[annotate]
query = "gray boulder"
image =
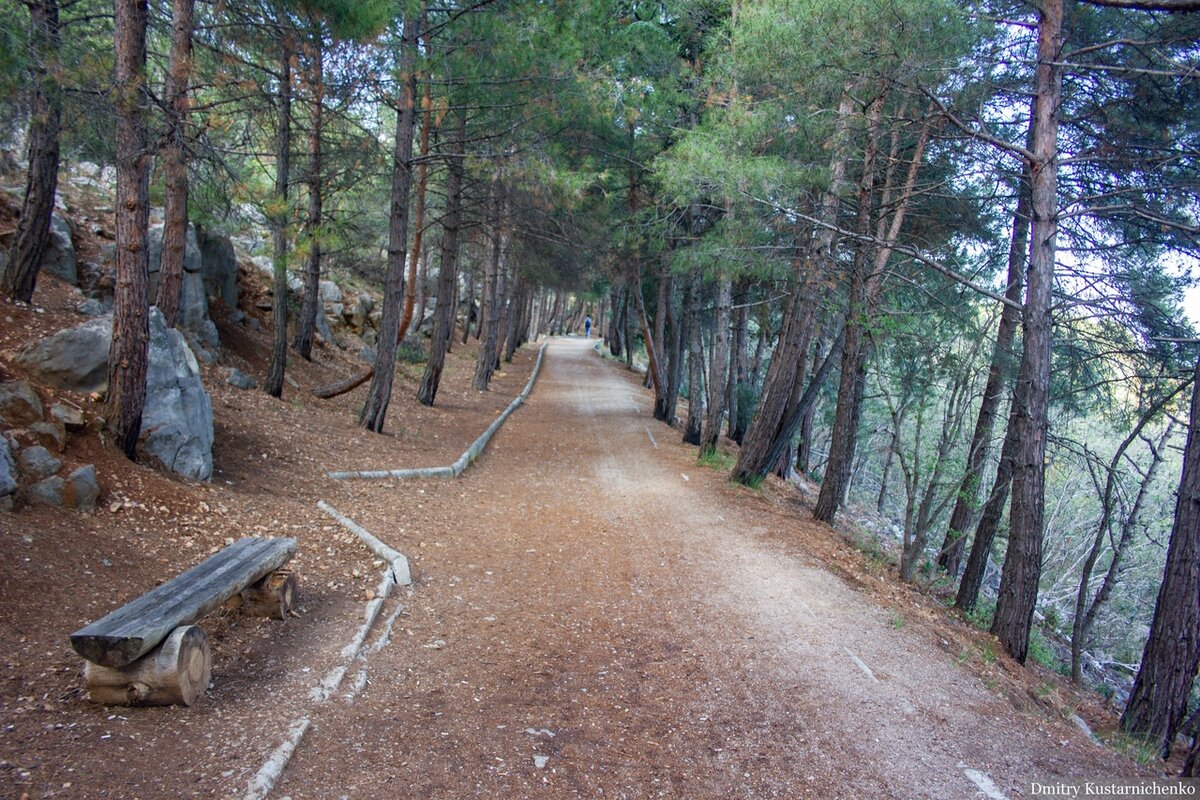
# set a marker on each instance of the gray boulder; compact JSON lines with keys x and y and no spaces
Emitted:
{"x":37,"y":462}
{"x":330,"y":292}
{"x":177,"y":425}
{"x":59,"y":259}
{"x":241,"y":380}
{"x":8,"y":475}
{"x":48,"y":492}
{"x":81,"y":490}
{"x":19,"y":403}
{"x":323,"y":326}
{"x":218,"y":266}
{"x":75,"y":359}
{"x":360,"y":316}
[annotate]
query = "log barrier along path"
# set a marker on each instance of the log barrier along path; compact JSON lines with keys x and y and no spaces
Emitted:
{"x":594,"y":615}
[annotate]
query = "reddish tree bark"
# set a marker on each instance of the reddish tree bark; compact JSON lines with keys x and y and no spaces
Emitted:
{"x":695,"y":417}
{"x":175,"y":165}
{"x":718,"y":368}
{"x":127,"y":355}
{"x":1023,"y":560}
{"x":380,"y":393}
{"x":1158,"y":703}
{"x":410,"y":289}
{"x":310,"y":303}
{"x":443,"y":323}
{"x":41,"y":179}
{"x":279,"y":222}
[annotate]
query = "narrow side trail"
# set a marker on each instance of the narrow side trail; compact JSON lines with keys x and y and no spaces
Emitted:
{"x":594,"y":615}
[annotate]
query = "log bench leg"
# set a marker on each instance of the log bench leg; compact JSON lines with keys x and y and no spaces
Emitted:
{"x":274,"y":596}
{"x":176,"y":672}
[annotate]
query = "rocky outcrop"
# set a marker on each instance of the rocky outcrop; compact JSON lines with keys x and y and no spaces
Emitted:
{"x":193,"y":301}
{"x":177,"y":425}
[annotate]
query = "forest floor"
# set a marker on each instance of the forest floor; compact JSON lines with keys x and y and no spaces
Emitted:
{"x":592,"y":614}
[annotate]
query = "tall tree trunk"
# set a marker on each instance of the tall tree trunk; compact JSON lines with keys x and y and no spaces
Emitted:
{"x":843,"y":441}
{"x":718,"y":368}
{"x":412,"y":284}
{"x":127,"y":354}
{"x":380,"y":393}
{"x":612,"y":331}
{"x":175,"y":164}
{"x":485,"y":362}
{"x":654,"y":367}
{"x":764,"y":429}
{"x":443,"y":322}
{"x":41,"y":179}
{"x":675,"y":337}
{"x":627,"y":334}
{"x":1158,"y":702}
{"x":695,"y":418}
{"x":989,"y":521}
{"x":965,"y":507}
{"x":516,"y":313}
{"x":310,"y":304}
{"x":737,"y":371}
{"x":854,"y":349}
{"x":469,"y":316}
{"x":804,"y":448}
{"x":1023,"y":560}
{"x":279,"y":224}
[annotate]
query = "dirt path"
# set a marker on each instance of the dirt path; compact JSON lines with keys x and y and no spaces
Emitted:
{"x":595,"y":615}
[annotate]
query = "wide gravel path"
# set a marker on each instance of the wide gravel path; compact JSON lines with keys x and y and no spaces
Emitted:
{"x":595,"y":615}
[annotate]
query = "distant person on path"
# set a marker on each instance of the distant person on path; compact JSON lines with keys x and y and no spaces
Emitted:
{"x":587,"y":327}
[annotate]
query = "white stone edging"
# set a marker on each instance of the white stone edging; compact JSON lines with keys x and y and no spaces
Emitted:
{"x":396,"y":573}
{"x":471,"y":453}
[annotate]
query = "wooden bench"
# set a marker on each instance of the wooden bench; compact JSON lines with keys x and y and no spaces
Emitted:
{"x":148,"y":653}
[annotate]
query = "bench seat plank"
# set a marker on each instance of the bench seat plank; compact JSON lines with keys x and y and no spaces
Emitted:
{"x":137,"y":627}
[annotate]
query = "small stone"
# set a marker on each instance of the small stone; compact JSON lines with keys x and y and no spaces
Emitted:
{"x":241,"y":380}
{"x":71,"y":418}
{"x":51,"y":434}
{"x":36,"y":463}
{"x":91,"y":308}
{"x":82,"y":490}
{"x":540,"y":761}
{"x":19,"y":403}
{"x":254,"y":324}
